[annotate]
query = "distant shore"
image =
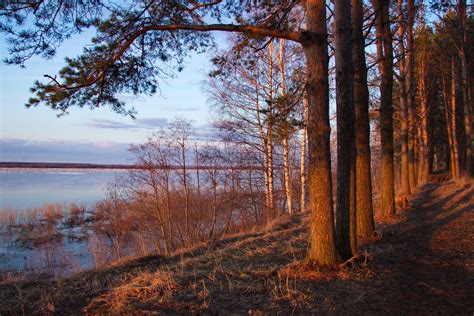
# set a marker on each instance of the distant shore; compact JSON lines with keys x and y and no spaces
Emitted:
{"x":60,"y":165}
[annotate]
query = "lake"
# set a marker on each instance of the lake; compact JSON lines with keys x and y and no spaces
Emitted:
{"x":70,"y":250}
{"x":31,"y":188}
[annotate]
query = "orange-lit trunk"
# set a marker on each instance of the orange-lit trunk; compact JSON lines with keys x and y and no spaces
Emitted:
{"x":449,"y":129}
{"x":410,"y":62}
{"x":322,"y":248}
{"x":423,"y":166}
{"x":403,"y":97}
{"x":303,"y":155}
{"x":453,"y":118}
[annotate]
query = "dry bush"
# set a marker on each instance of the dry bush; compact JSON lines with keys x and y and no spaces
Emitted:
{"x":8,"y":217}
{"x":52,"y":213}
{"x":75,"y":215}
{"x":32,"y":217}
{"x":99,"y":250}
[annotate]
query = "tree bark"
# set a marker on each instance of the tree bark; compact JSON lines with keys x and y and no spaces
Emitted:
{"x":410,"y":62}
{"x":449,"y":130}
{"x":403,"y":97}
{"x":271,"y":204}
{"x":454,"y":118}
{"x":345,"y":221}
{"x":322,"y":249}
{"x":364,"y":207}
{"x":385,"y":56}
{"x":287,"y":174}
{"x":303,"y":155}
{"x":465,"y":75}
{"x":286,"y":132}
{"x":422,"y":86}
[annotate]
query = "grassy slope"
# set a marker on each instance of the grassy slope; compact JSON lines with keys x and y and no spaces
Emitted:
{"x":421,"y":262}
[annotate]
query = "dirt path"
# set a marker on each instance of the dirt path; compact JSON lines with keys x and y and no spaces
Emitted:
{"x":422,"y":264}
{"x":425,"y":264}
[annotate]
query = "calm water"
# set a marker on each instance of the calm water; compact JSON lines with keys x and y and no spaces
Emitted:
{"x":29,"y":188}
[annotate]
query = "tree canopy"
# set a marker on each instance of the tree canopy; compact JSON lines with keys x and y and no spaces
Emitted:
{"x":136,"y":42}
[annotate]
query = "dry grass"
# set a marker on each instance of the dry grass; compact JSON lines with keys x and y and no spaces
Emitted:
{"x":158,"y":285}
{"x":265,"y":272}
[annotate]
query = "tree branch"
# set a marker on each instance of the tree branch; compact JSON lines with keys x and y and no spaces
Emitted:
{"x":247,"y":29}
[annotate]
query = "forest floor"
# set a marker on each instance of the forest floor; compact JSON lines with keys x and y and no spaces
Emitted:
{"x":421,"y":262}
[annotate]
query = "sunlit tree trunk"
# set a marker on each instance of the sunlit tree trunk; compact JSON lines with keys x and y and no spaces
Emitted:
{"x":385,"y":57}
{"x":271,"y":203}
{"x":403,"y":97}
{"x":410,"y":63}
{"x":449,"y":129}
{"x":364,"y":208}
{"x":423,"y":166}
{"x":322,"y":248}
{"x":286,"y":145}
{"x":303,"y":154}
{"x":454,"y":117}
{"x":287,"y":174}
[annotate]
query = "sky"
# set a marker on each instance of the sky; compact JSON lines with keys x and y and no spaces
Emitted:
{"x":84,"y":135}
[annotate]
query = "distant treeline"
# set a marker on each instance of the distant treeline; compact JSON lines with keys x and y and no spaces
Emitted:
{"x":60,"y":165}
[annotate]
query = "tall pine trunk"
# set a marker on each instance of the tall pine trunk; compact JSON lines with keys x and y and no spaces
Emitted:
{"x":466,"y":95}
{"x":454,"y":117}
{"x":410,"y":63}
{"x":423,"y":166}
{"x":345,"y":210}
{"x":322,"y":248}
{"x":449,"y":130}
{"x":403,"y":97}
{"x":385,"y":57}
{"x":364,"y":208}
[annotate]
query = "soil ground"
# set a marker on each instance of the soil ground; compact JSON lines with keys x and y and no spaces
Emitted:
{"x":421,"y":262}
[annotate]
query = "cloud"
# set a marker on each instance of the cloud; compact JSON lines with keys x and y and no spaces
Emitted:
{"x":148,"y":123}
{"x":177,"y":108}
{"x":154,"y":122}
{"x":203,"y":132}
{"x":23,"y":150}
{"x":103,"y":123}
{"x":190,"y":109}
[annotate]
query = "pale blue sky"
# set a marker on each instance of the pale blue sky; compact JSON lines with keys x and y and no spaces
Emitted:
{"x":99,"y":135}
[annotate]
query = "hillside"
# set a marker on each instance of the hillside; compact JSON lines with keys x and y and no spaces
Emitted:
{"x":420,"y":262}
